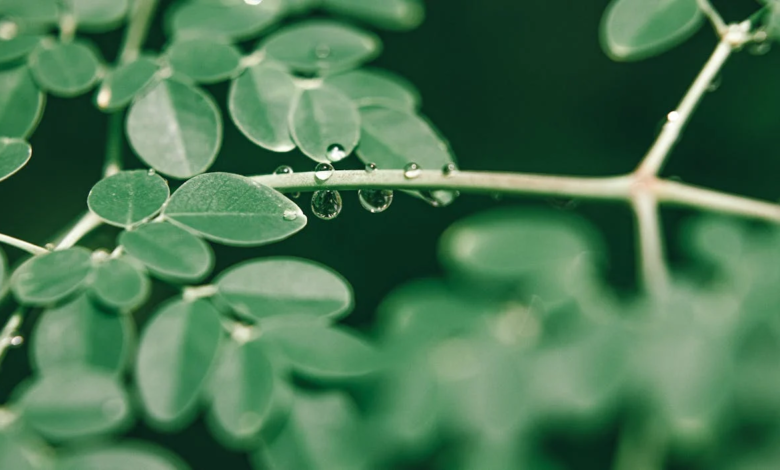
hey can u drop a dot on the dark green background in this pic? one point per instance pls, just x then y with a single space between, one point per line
515 86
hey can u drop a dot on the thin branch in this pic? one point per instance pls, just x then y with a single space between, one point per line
87 223
137 29
652 257
684 195
22 245
113 158
712 14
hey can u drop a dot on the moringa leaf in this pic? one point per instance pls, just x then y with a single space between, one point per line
234 210
204 60
260 102
176 354
232 20
123 83
21 102
79 333
176 129
321 46
120 284
638 29
376 87
65 69
47 278
14 155
321 119
36 12
169 252
124 456
128 197
75 403
17 47
98 15
268 287
390 14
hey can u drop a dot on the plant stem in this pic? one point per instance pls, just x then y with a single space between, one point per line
712 14
22 245
113 158
137 29
87 223
653 270
9 332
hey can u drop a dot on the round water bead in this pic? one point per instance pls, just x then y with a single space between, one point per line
412 171
323 172
370 167
449 169
283 170
336 153
375 200
326 204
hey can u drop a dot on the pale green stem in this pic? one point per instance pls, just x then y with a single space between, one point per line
712 14
137 29
653 271
113 159
22 245
9 332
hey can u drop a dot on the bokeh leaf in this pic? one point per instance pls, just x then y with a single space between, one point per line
120 284
37 12
65 69
376 87
123 83
204 60
176 129
49 277
128 197
14 155
17 47
389 14
98 15
75 403
637 29
325 124
169 252
21 102
79 333
320 46
233 20
21 449
268 287
260 102
124 456
176 353
234 210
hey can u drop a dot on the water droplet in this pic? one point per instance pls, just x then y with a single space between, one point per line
439 198
715 84
563 204
283 170
8 30
760 48
17 341
322 51
323 172
151 172
290 215
295 195
370 167
412 171
449 169
253 2
375 200
50 246
336 153
326 204
673 116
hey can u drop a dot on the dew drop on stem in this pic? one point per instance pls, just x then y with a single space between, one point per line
370 167
323 172
336 153
326 204
440 197
449 169
375 200
17 341
412 171
283 170
253 2
322 51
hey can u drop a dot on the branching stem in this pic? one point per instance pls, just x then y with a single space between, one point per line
137 29
22 245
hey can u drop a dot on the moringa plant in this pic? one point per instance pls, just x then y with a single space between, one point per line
470 371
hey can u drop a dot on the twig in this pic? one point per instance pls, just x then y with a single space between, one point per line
113 158
712 14
652 267
87 223
22 245
137 29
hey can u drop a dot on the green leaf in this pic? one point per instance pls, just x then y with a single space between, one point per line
169 252
204 60
320 351
124 456
318 46
389 14
241 392
81 334
19 448
176 354
17 47
3 273
321 119
236 20
376 87
65 69
49 277
31 11
75 403
120 284
21 102
268 287
126 81
234 210
512 244
176 129
260 102
392 138
14 155
322 433
98 15
128 197
638 29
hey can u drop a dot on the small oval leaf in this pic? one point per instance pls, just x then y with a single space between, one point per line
98 15
175 356
18 47
234 210
376 87
14 155
65 69
284 286
169 252
176 129
390 14
128 197
124 456
50 277
21 102
204 60
123 83
120 284
235 20
322 118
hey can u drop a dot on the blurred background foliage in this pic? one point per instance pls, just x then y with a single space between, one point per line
515 86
